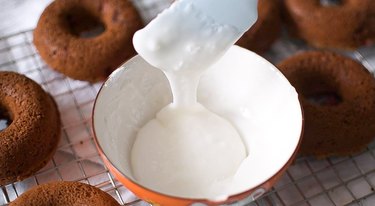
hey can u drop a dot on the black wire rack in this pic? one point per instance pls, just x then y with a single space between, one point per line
333 181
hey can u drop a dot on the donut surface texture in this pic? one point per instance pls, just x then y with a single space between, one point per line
346 25
338 98
32 136
64 193
266 30
66 42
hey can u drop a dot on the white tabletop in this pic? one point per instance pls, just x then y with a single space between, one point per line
20 15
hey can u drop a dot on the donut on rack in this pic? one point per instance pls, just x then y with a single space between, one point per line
338 99
87 39
266 30
344 24
64 193
33 132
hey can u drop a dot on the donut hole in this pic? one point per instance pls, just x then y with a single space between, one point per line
320 90
83 23
325 98
328 3
5 118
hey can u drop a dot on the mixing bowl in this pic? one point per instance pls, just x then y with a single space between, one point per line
242 87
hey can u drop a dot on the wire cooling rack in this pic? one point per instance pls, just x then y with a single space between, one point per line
333 181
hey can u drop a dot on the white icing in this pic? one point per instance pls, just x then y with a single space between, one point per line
177 153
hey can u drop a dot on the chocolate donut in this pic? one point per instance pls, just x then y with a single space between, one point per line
338 98
64 193
33 131
266 29
346 24
66 41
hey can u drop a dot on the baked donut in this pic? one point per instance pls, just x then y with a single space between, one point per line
338 98
64 193
265 30
346 24
33 132
67 36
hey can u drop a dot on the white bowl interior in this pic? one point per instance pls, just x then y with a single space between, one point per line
242 87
